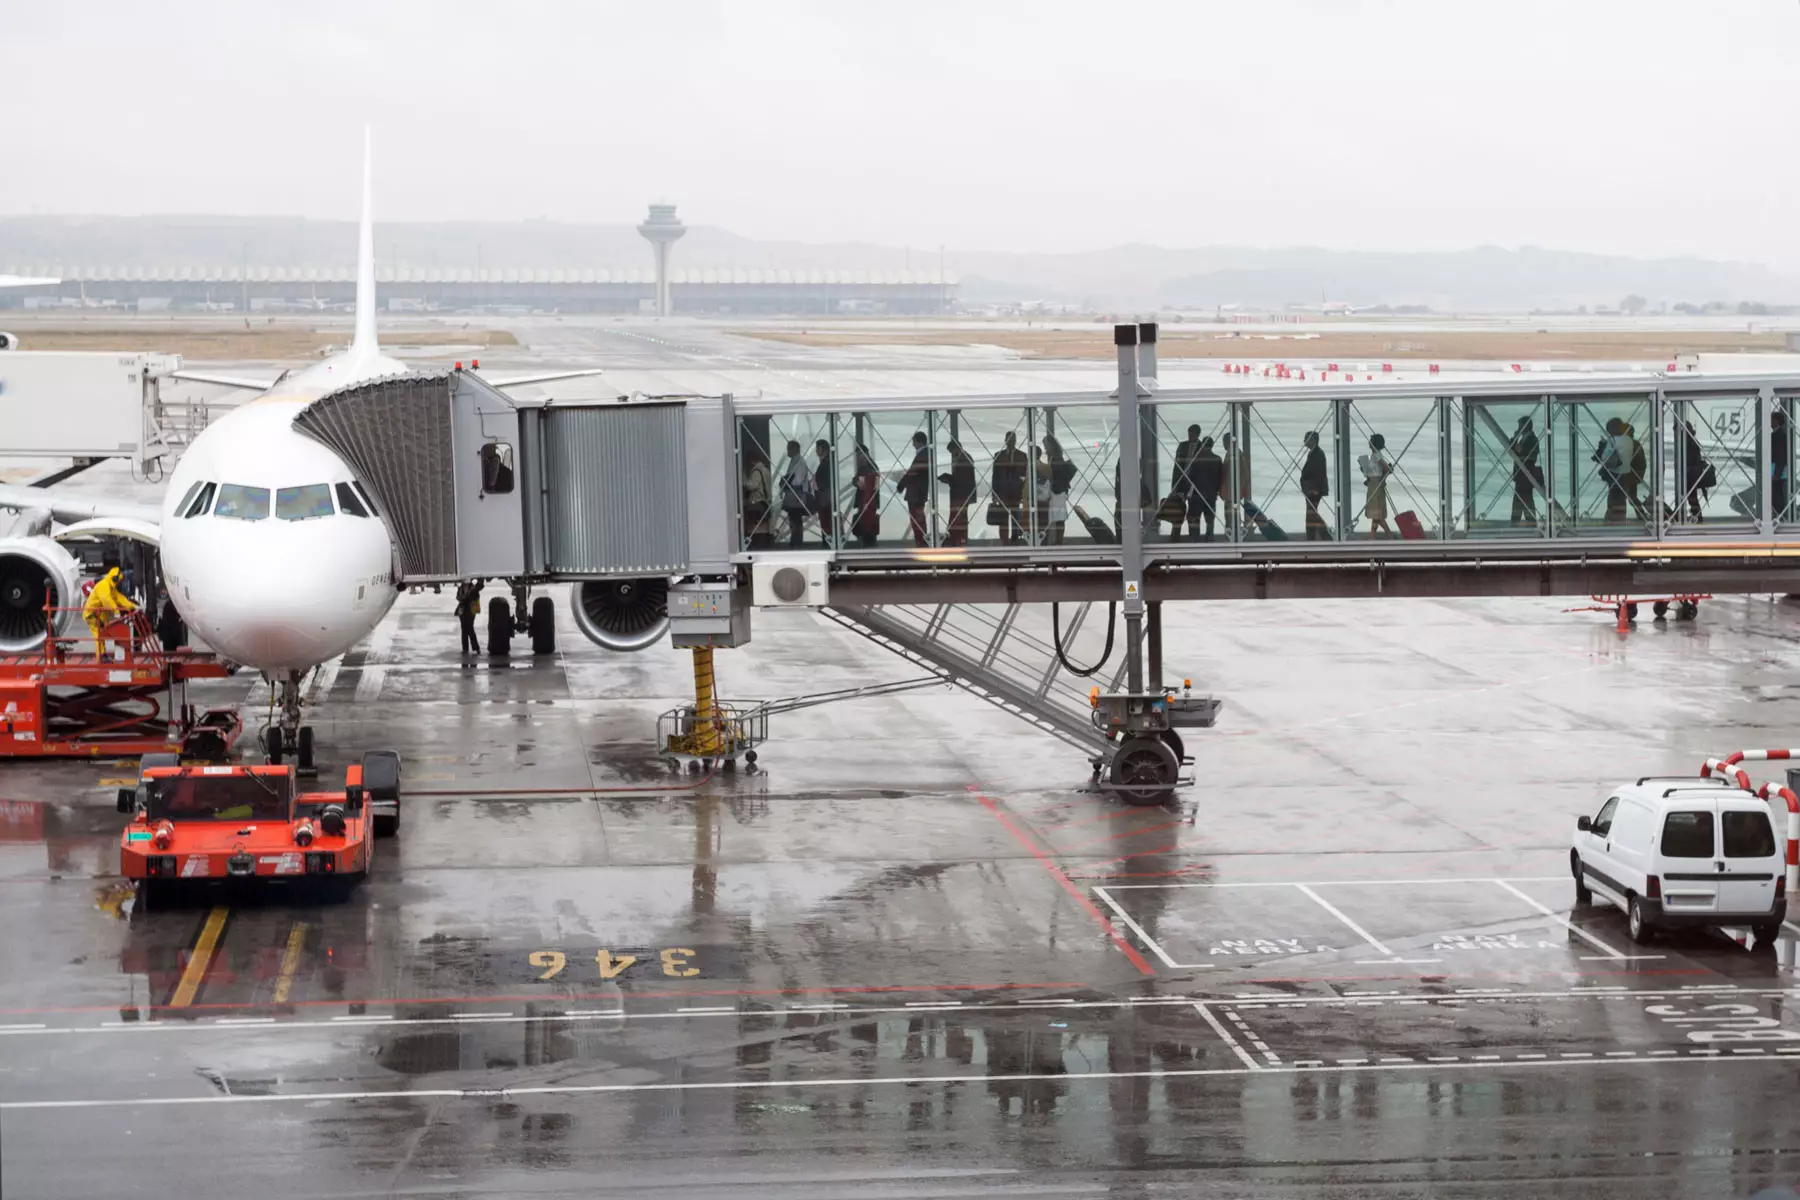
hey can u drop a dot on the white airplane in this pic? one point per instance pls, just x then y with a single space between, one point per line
271 550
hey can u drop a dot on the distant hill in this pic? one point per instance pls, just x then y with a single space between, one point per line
1487 278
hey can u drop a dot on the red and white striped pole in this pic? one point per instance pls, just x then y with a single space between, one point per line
1728 767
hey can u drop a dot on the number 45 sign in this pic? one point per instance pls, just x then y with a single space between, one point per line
677 963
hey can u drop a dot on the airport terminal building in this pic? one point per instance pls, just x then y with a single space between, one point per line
563 289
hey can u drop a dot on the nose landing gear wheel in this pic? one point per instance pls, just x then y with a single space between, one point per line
1144 771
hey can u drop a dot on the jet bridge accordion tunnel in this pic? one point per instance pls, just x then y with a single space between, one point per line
474 484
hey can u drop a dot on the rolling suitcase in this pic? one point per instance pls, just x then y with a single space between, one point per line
1410 528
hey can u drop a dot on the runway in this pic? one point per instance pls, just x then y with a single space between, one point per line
911 955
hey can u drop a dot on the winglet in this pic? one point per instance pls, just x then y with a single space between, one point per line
364 343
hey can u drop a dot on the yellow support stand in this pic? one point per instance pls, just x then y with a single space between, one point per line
705 741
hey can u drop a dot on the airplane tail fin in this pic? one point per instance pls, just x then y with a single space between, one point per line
364 343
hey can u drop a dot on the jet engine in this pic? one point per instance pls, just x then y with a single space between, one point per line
8 341
30 567
622 614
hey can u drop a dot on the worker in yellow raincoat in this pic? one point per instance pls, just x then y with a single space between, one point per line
104 605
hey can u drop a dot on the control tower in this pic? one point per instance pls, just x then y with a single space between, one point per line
662 229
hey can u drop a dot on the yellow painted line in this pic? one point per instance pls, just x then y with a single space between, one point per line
117 783
204 945
290 961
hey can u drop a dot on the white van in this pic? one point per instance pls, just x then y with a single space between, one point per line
1683 852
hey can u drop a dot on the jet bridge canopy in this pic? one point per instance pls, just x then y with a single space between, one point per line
475 484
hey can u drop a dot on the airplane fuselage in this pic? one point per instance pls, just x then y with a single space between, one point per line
280 565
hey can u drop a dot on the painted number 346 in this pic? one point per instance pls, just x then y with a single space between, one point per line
676 963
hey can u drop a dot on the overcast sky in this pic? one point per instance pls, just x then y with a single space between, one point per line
1643 126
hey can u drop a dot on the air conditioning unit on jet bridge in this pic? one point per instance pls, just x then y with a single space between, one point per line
791 581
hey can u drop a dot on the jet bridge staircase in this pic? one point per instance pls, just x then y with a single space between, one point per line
1005 655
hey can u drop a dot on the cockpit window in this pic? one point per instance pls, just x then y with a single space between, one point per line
188 497
303 503
242 503
348 503
198 504
368 500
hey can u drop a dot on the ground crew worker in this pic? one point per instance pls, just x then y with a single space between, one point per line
104 605
468 606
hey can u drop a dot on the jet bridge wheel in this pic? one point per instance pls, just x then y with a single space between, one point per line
1144 771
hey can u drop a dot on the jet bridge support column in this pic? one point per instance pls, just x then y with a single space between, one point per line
1143 762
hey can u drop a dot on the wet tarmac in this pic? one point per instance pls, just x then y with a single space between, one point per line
909 956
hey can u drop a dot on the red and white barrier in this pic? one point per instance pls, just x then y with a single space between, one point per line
1728 767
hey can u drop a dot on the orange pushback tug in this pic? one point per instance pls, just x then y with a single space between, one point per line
194 824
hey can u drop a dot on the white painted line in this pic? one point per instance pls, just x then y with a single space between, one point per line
1619 957
1621 1054
917 1004
1660 1053
1580 993
1347 1066
1150 943
491 1016
1577 1054
1225 1036
1358 930
1487 1058
243 1020
17 1028
1442 1058
1122 887
1577 930
1529 1056
717 1008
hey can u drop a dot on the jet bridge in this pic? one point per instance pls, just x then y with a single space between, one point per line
1555 485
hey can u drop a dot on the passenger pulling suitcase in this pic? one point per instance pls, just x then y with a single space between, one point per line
1410 528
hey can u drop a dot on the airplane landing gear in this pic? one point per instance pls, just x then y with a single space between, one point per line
286 735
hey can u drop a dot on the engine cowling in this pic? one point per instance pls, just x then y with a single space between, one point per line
622 614
30 566
8 341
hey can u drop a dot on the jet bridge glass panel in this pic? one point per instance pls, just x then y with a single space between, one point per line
1608 464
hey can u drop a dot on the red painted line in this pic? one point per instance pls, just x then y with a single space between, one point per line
1113 837
681 994
1185 872
1056 873
1170 848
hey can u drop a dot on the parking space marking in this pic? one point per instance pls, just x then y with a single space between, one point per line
200 959
1150 943
1578 931
1358 930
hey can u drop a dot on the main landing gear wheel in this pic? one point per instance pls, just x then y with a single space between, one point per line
271 740
304 754
1144 770
500 628
543 626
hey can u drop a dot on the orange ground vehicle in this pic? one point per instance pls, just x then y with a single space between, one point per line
193 824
